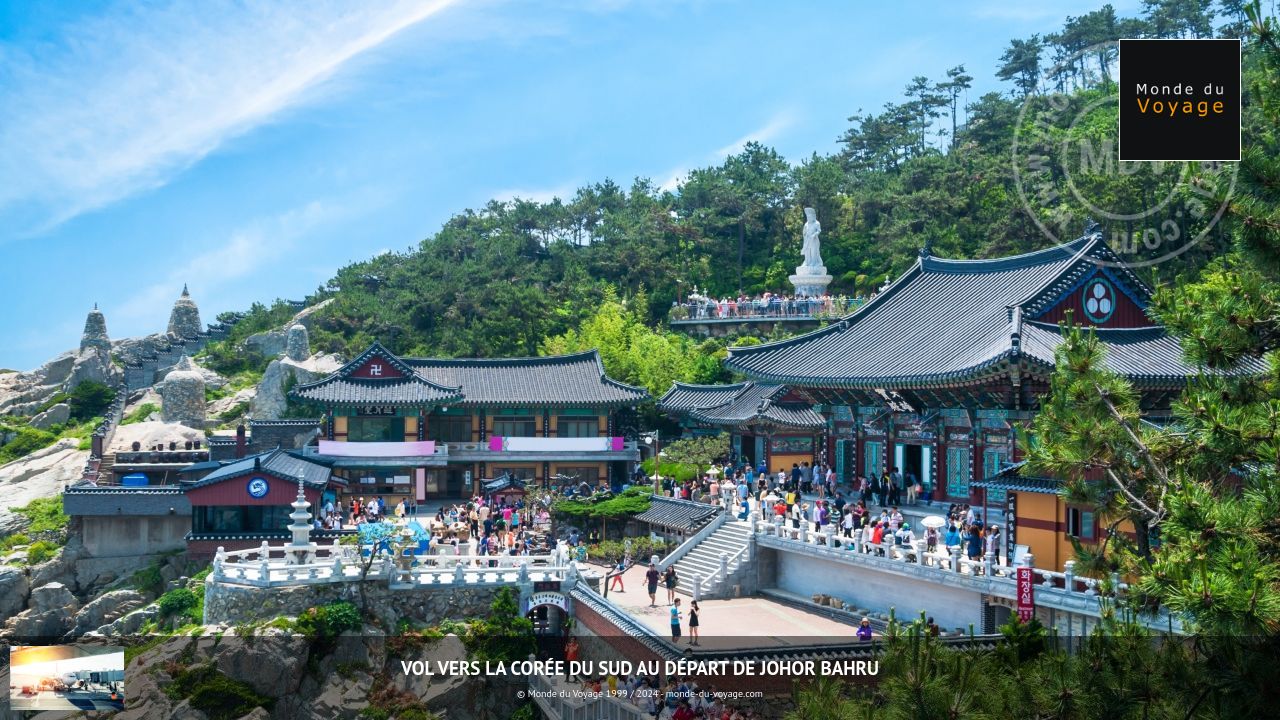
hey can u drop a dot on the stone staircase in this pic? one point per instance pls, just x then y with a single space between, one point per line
104 468
704 559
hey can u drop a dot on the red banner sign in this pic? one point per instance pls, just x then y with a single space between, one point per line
1026 595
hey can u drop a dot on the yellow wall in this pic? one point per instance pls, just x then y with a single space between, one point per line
1045 544
340 428
410 429
784 462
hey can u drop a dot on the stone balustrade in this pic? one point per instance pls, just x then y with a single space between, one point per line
1062 589
293 565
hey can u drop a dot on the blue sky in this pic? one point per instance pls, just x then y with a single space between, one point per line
252 149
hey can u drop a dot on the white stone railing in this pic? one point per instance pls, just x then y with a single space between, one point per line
285 566
943 561
692 541
728 565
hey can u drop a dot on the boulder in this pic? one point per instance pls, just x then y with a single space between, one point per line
93 363
49 597
270 401
13 591
51 625
57 415
226 404
41 474
270 343
151 433
107 608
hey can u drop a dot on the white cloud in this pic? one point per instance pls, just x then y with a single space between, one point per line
129 99
771 129
246 251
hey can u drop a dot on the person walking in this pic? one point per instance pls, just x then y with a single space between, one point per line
571 657
693 623
669 579
675 621
974 550
652 577
993 542
618 569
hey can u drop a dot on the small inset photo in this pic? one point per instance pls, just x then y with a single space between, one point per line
66 677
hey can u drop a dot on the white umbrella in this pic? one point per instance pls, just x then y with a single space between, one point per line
714 471
934 521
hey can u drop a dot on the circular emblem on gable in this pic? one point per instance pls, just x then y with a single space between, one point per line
1099 300
258 487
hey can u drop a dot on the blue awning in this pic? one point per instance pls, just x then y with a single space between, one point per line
134 480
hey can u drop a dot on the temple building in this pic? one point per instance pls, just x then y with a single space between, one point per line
418 428
941 373
766 423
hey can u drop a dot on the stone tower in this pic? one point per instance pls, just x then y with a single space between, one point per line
297 344
95 332
182 397
184 321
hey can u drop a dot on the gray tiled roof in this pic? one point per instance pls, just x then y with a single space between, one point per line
556 380
342 389
949 320
739 405
280 463
756 404
125 501
1139 353
673 513
683 397
1012 478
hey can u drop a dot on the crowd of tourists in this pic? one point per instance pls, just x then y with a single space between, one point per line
765 305
786 496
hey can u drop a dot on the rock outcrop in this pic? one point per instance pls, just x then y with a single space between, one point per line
107 608
50 613
14 587
41 474
271 399
59 414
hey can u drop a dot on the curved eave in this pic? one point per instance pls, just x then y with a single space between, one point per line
966 376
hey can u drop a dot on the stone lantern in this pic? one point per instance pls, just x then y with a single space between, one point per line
300 550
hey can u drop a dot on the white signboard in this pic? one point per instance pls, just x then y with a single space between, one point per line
548 598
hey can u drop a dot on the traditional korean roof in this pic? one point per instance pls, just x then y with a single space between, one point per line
683 397
947 322
673 513
404 387
1012 478
281 463
553 381
87 500
745 404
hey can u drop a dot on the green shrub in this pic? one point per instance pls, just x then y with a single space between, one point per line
140 413
327 621
177 601
44 514
216 695
41 551
90 398
14 540
148 579
26 441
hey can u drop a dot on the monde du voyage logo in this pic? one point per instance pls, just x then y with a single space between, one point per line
1180 100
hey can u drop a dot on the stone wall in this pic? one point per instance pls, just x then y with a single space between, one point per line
952 607
239 604
109 537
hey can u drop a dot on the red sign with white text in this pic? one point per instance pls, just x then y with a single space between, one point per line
1026 595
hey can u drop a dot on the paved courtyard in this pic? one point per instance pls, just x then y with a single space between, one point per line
734 623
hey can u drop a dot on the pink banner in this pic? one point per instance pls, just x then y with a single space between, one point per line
1026 595
563 445
377 449
495 444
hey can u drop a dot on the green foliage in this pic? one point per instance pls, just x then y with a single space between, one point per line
328 621
41 551
635 354
43 514
148 579
216 695
641 549
504 635
26 441
630 502
176 601
9 542
699 453
90 398
140 413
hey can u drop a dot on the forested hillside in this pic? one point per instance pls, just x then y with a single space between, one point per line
931 170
